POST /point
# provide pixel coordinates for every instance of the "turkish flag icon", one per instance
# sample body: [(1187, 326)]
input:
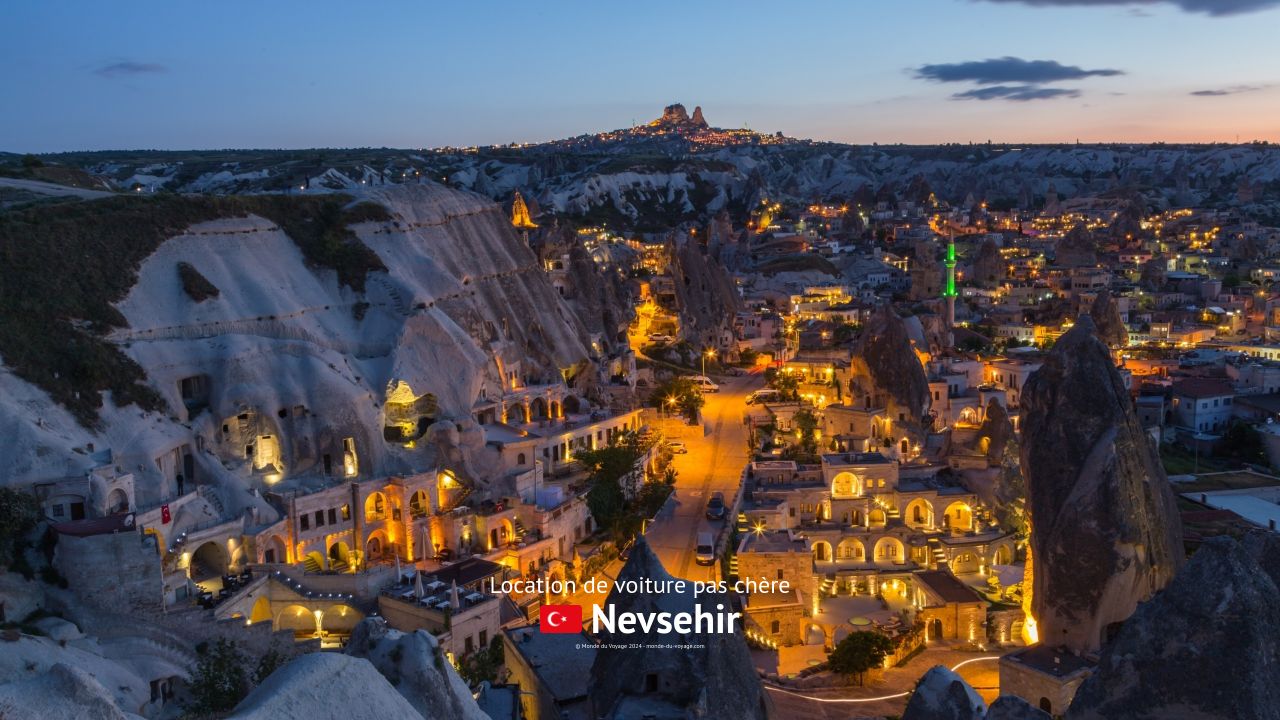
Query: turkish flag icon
[(560, 618)]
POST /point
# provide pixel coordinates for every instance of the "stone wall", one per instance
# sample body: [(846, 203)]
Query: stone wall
[(117, 572)]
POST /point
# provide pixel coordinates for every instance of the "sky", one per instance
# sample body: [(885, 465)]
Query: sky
[(150, 74)]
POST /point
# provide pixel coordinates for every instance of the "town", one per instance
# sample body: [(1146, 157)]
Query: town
[(678, 420)]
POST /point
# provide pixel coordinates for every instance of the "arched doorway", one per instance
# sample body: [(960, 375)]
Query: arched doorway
[(117, 501), (889, 549), (876, 518), (375, 507), (538, 409), (340, 619), (275, 551), (822, 551), (959, 516), (1003, 555), (844, 484), (1046, 705), (813, 635), (850, 549), (419, 505), (376, 546), (935, 630), (339, 556), (297, 619), (572, 404), (208, 562), (261, 611), (919, 514)]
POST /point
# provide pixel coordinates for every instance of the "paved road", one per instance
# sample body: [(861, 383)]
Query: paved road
[(714, 462)]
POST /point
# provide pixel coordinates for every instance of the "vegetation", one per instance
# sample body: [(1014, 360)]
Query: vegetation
[(19, 513), (52, 333), (197, 286), (1242, 442), (679, 393), (787, 384), (483, 665), (219, 682), (859, 652), (610, 469)]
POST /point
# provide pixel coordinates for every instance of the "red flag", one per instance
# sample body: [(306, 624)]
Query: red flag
[(560, 618), (164, 515)]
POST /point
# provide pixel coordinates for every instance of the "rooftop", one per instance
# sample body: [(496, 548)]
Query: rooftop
[(1202, 388), (562, 661), (867, 458), (1051, 661), (945, 586)]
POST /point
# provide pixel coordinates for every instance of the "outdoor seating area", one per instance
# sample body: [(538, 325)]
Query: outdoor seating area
[(209, 594)]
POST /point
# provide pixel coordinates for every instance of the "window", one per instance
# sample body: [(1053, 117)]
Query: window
[(484, 638), (780, 574), (333, 516), (58, 511), (775, 627), (319, 518), (304, 522), (468, 646)]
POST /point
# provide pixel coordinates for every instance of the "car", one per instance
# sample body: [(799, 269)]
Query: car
[(676, 447), (660, 338), (759, 396), (715, 507), (703, 383), (705, 552)]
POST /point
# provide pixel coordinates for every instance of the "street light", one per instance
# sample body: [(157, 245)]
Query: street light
[(710, 353)]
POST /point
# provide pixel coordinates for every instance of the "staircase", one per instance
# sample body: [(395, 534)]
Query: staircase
[(828, 588), (518, 530), (310, 564), (938, 555)]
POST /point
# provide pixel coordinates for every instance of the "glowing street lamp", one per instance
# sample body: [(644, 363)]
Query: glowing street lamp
[(710, 353)]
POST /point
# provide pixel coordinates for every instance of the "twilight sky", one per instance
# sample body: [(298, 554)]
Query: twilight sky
[(82, 75)]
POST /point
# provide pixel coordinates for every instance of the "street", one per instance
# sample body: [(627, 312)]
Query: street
[(717, 454)]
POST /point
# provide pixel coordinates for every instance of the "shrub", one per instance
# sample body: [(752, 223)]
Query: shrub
[(197, 286)]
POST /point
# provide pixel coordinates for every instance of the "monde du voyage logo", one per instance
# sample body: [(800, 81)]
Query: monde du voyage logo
[(568, 619)]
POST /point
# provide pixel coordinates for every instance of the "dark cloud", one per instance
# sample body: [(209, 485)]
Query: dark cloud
[(1216, 8), (996, 71), (1233, 90), (1019, 93), (128, 67)]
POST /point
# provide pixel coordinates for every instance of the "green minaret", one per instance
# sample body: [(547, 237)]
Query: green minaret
[(950, 292)]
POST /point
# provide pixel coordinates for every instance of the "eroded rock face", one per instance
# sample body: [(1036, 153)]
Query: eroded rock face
[(1106, 316), (716, 682), (1012, 707), (1207, 646), (943, 695), (705, 295), (63, 692), (988, 266), (324, 685), (1105, 531), (1077, 248), (884, 355), (417, 667)]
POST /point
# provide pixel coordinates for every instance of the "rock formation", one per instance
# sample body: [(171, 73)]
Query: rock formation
[(64, 692), (943, 695), (1153, 273), (1106, 317), (1077, 248), (324, 685), (416, 666), (885, 362), (1207, 646), (1105, 530), (988, 266), (697, 119), (705, 295), (715, 681)]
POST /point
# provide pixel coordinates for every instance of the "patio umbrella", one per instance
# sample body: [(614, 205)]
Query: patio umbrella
[(399, 577), (453, 595), (417, 585)]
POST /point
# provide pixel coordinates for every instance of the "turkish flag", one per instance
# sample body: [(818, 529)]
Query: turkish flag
[(164, 515), (560, 618)]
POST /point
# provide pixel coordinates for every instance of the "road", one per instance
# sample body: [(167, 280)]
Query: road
[(714, 462)]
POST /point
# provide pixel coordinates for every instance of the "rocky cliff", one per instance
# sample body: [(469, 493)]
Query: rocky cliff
[(1207, 646), (713, 678), (1105, 531), (1106, 318), (289, 352), (884, 362), (415, 665), (943, 695), (323, 686), (705, 295)]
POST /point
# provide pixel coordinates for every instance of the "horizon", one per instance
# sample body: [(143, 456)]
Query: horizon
[(1040, 72)]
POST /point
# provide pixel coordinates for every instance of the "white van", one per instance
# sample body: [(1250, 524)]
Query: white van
[(706, 550), (763, 396), (704, 384)]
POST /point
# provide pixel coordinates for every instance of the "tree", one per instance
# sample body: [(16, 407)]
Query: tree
[(483, 665), (1243, 443), (19, 513), (679, 393), (787, 384), (859, 652), (219, 683)]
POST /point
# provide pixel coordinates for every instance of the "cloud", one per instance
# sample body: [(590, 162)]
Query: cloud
[(1233, 90), (1019, 93), (996, 71), (1215, 8), (121, 68)]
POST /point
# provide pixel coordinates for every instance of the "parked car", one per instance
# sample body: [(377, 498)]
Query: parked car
[(660, 338), (706, 549), (766, 395), (704, 384), (715, 507), (676, 447)]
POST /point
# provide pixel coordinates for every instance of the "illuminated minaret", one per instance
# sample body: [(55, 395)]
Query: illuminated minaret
[(950, 292)]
